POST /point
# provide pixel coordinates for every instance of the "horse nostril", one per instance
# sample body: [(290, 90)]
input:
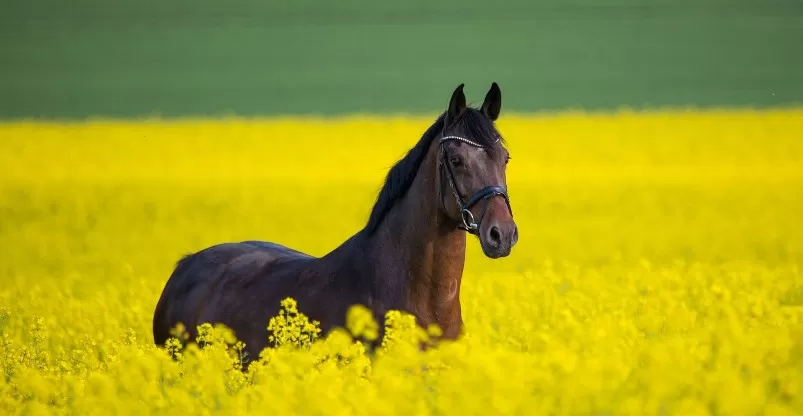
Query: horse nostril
[(515, 235), (496, 237)]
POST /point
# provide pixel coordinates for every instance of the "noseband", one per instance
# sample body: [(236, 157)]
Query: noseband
[(469, 224)]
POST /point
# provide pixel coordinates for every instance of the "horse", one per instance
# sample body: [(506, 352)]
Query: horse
[(408, 257)]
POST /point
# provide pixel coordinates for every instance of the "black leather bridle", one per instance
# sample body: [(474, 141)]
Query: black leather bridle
[(469, 223)]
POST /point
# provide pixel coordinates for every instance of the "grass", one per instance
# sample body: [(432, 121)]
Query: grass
[(657, 270)]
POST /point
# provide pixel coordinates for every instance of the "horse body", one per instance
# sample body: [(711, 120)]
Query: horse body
[(409, 257), (242, 284)]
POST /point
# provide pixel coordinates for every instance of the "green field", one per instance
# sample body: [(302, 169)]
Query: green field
[(124, 58)]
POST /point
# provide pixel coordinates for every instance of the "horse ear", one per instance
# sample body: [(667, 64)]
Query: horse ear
[(493, 102), (456, 105)]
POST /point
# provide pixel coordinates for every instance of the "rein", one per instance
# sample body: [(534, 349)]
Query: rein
[(469, 223)]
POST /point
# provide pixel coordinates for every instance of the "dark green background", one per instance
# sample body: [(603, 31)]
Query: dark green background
[(211, 57)]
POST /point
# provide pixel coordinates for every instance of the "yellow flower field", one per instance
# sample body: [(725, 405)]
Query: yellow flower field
[(657, 272)]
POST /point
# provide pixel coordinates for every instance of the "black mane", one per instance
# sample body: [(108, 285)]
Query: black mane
[(472, 124)]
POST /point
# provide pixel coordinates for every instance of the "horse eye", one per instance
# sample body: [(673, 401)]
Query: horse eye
[(455, 160)]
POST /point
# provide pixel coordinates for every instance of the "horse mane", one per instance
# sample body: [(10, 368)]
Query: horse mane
[(471, 122)]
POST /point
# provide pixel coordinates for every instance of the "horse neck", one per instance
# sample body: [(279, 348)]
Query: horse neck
[(420, 254)]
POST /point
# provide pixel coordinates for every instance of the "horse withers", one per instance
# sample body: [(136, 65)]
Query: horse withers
[(409, 256)]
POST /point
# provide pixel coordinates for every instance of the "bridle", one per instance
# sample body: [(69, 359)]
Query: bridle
[(469, 223)]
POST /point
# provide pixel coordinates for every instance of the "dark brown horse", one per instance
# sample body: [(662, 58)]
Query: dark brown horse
[(409, 256)]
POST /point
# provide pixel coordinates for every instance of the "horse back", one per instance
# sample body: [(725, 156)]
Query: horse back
[(198, 278)]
